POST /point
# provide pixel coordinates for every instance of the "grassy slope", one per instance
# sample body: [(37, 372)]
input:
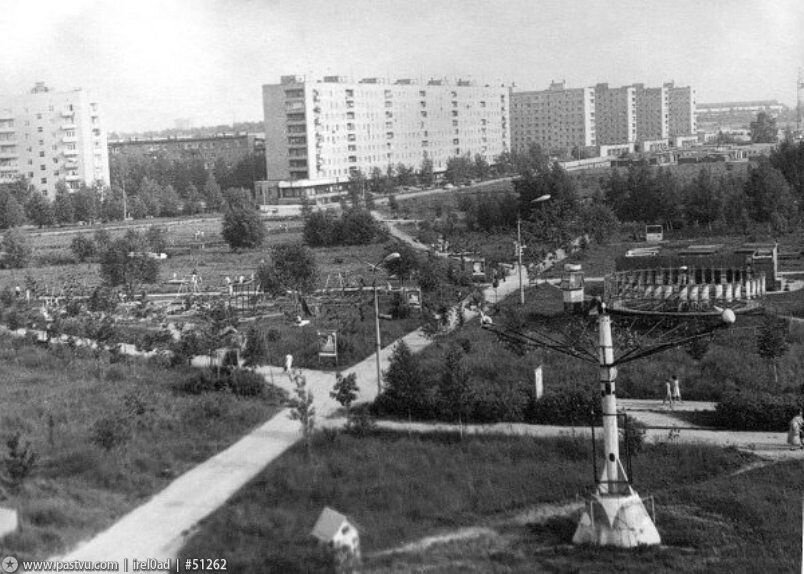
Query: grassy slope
[(401, 488), (78, 489)]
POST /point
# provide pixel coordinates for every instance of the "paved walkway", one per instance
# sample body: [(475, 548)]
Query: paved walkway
[(158, 529)]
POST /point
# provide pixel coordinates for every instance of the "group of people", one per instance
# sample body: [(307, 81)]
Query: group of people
[(672, 391)]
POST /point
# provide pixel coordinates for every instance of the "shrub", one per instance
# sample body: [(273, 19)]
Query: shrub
[(110, 431), (83, 247), (245, 383), (756, 411), (203, 381), (17, 248), (20, 460), (566, 406)]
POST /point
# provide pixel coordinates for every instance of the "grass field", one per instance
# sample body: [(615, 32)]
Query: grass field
[(70, 412), (399, 489)]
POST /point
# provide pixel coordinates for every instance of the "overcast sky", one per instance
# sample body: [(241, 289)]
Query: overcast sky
[(151, 62)]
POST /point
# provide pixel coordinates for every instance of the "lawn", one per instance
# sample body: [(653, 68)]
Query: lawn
[(107, 437), (401, 488)]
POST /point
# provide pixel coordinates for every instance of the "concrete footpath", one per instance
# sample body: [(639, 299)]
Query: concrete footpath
[(159, 528)]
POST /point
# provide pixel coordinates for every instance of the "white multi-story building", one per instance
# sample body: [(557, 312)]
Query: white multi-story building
[(318, 133), (613, 119), (682, 110), (554, 118), (652, 113), (47, 136), (615, 114)]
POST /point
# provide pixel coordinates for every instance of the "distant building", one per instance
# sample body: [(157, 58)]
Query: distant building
[(615, 114), (554, 118), (652, 113), (683, 109), (230, 148), (318, 133), (47, 136)]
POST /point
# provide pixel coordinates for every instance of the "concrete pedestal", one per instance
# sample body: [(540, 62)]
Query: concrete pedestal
[(619, 520)]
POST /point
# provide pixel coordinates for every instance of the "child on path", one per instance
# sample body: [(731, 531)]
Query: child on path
[(668, 395), (794, 430), (676, 389)]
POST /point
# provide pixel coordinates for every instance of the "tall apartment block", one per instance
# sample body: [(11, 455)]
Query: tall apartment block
[(652, 113), (682, 110), (553, 118), (615, 114), (568, 118), (47, 136), (317, 133)]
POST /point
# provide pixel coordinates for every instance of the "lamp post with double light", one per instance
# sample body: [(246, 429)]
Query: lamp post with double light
[(520, 247)]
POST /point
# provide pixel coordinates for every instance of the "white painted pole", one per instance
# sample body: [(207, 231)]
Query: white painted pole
[(608, 375), (519, 258)]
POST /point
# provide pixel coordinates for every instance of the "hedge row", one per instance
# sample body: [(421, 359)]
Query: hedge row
[(757, 411)]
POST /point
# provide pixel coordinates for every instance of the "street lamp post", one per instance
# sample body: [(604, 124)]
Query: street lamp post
[(388, 258), (520, 247)]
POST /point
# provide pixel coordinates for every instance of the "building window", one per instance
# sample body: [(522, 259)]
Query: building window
[(44, 180), (42, 167), (41, 154), (39, 129)]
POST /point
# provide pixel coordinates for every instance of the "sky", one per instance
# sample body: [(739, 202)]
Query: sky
[(149, 63)]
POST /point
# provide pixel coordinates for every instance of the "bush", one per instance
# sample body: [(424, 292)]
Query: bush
[(17, 248), (83, 247), (110, 432), (203, 381), (756, 411), (566, 406), (246, 383), (20, 460)]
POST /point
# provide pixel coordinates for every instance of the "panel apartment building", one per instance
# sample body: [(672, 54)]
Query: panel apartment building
[(47, 136), (317, 133), (568, 118), (555, 118)]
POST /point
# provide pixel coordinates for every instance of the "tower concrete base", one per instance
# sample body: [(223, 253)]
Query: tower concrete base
[(619, 520)]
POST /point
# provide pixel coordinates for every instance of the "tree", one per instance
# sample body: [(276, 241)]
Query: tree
[(405, 391), (111, 208), (405, 175), (17, 249), (85, 204), (170, 202), (345, 390), (256, 349), (769, 196), (124, 262), (599, 222), (243, 227), (151, 196), (459, 169), (192, 201), (426, 175), (357, 227), (83, 247), (137, 208), (39, 210), (320, 228), (763, 129), (454, 389), (482, 168), (292, 268), (301, 406), (773, 342), (212, 194), (11, 212), (63, 207)]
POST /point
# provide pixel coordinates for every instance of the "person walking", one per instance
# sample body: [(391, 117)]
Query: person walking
[(668, 395), (676, 389), (794, 430)]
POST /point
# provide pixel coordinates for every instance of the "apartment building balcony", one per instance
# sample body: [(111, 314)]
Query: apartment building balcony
[(72, 177), (68, 152), (6, 115), (69, 139), (7, 129), (67, 126), (68, 113), (12, 141), (8, 153), (8, 167)]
